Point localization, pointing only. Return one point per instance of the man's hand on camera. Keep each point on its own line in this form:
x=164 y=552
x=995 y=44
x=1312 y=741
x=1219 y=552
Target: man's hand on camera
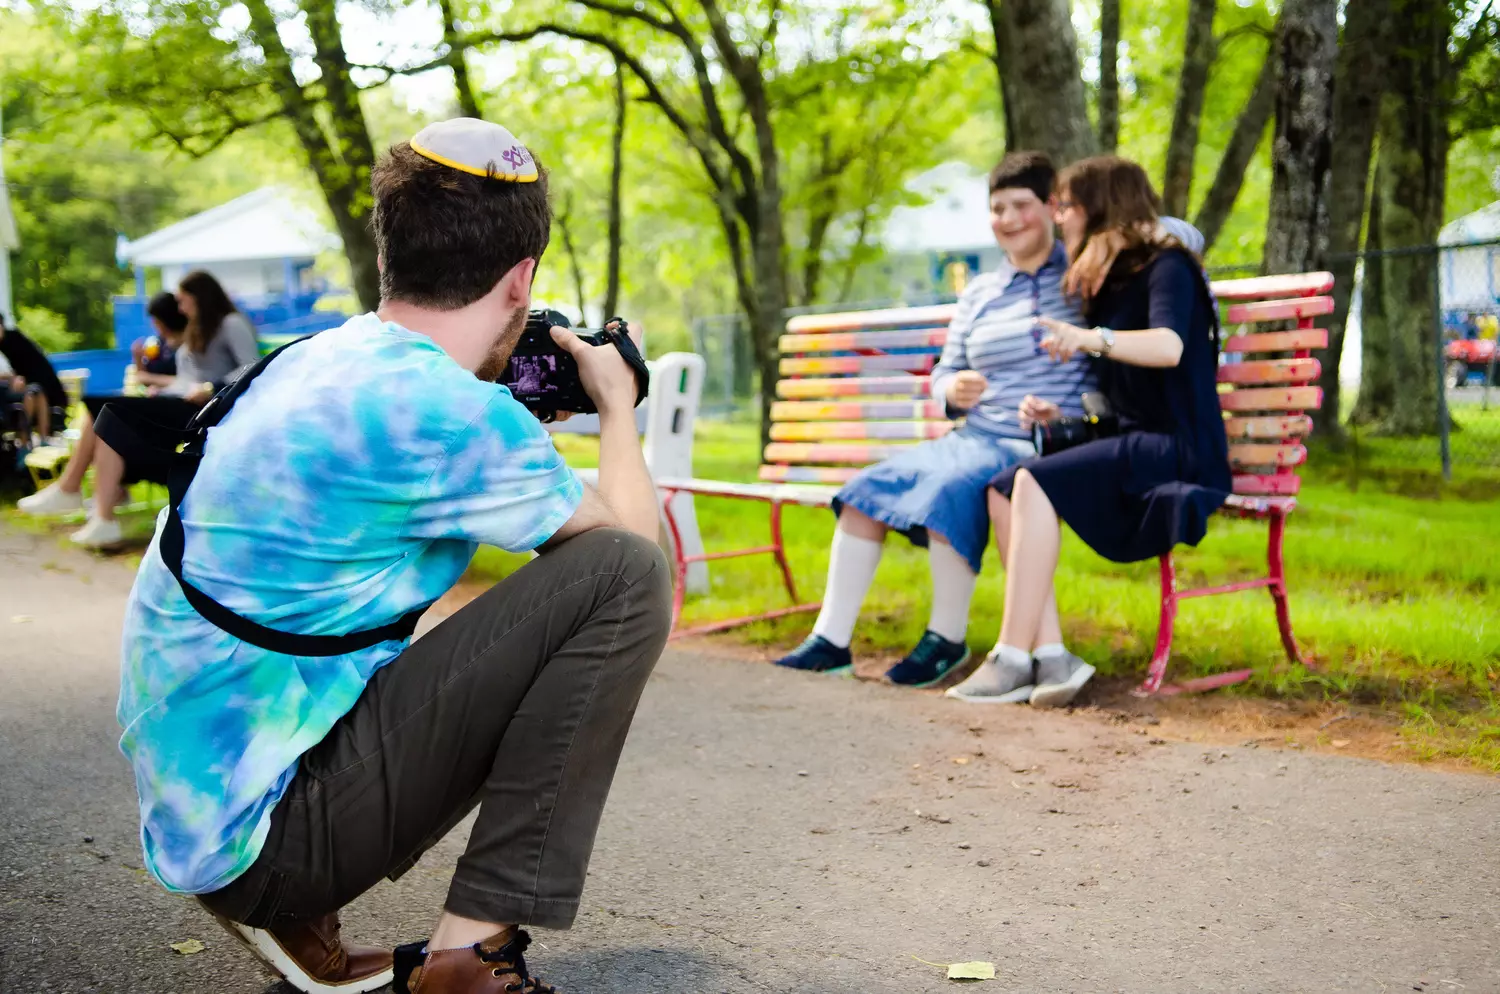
x=1034 y=409
x=606 y=377
x=965 y=389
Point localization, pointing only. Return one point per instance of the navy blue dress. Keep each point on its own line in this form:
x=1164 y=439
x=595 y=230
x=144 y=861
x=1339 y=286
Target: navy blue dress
x=1154 y=485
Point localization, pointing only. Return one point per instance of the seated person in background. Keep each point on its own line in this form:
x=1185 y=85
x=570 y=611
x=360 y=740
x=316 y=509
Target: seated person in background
x=155 y=356
x=934 y=493
x=1154 y=327
x=217 y=341
x=33 y=382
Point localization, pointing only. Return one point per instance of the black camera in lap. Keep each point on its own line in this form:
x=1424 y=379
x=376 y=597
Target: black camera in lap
x=1099 y=421
x=544 y=377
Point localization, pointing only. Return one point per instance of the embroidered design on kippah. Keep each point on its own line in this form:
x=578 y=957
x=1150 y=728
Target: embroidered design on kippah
x=479 y=148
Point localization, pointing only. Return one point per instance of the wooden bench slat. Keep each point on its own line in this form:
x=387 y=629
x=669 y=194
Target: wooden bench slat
x=1270 y=371
x=1269 y=426
x=809 y=410
x=1261 y=287
x=1252 y=455
x=867 y=386
x=1302 y=339
x=850 y=341
x=1269 y=485
x=817 y=431
x=932 y=316
x=1278 y=310
x=1272 y=399
x=829 y=452
x=808 y=474
x=859 y=364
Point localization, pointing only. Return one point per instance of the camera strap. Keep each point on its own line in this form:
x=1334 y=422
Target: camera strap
x=133 y=435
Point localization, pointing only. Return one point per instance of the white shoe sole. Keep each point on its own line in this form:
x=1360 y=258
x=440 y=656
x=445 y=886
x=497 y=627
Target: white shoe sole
x=1058 y=695
x=269 y=951
x=1018 y=696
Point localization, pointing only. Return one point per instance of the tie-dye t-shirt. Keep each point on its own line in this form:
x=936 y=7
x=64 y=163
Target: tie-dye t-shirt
x=349 y=485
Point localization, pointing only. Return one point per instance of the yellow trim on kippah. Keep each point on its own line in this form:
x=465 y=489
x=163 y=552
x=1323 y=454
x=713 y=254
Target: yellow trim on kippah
x=464 y=167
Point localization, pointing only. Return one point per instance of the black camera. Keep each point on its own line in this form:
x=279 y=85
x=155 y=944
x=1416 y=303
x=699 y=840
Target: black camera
x=544 y=377
x=1098 y=421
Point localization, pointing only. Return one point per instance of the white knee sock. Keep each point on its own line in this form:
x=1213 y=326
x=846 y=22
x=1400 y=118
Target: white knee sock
x=952 y=590
x=851 y=567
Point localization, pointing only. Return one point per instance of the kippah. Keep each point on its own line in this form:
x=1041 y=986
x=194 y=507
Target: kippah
x=480 y=148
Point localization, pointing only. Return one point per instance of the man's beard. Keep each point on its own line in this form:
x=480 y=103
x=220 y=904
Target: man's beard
x=494 y=363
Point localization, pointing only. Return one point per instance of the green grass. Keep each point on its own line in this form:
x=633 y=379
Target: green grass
x=1395 y=598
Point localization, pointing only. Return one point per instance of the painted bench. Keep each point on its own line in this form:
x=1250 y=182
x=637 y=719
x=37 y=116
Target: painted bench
x=854 y=389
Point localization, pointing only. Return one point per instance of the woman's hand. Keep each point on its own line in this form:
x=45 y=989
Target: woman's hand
x=1063 y=341
x=1034 y=409
x=199 y=395
x=1098 y=255
x=965 y=389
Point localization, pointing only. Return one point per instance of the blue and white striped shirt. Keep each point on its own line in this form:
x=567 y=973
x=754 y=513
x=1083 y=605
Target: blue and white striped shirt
x=995 y=332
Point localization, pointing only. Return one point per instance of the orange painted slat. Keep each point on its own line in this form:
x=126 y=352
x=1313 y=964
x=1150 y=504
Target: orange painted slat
x=807 y=474
x=1262 y=287
x=1278 y=341
x=1280 y=456
x=867 y=386
x=829 y=452
x=795 y=410
x=1278 y=310
x=850 y=341
x=935 y=316
x=858 y=364
x=1272 y=399
x=1270 y=426
x=1270 y=371
x=817 y=431
x=1269 y=485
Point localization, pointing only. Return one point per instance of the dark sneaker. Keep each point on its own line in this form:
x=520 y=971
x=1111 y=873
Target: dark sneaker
x=818 y=655
x=311 y=956
x=933 y=658
x=487 y=967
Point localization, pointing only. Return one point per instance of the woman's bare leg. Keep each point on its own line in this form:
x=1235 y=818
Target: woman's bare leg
x=1030 y=564
x=109 y=471
x=1049 y=629
x=83 y=456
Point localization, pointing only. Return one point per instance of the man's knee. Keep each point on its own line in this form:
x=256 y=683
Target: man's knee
x=641 y=565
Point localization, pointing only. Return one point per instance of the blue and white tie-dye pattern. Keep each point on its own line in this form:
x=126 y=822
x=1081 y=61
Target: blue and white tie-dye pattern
x=348 y=486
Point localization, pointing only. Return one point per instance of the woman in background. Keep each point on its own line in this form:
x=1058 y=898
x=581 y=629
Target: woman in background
x=217 y=342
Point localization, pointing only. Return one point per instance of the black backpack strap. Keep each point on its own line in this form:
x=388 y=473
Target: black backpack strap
x=126 y=433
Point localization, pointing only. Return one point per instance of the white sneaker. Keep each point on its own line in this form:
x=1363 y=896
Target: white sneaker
x=1059 y=679
x=51 y=499
x=98 y=534
x=993 y=683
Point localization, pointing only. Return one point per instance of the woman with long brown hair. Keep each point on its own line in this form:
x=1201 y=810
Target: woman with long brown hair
x=217 y=341
x=1153 y=484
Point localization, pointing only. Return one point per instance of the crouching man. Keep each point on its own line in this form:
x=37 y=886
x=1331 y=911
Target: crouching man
x=290 y=747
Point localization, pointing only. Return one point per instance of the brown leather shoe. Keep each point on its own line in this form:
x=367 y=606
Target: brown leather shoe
x=489 y=967
x=312 y=958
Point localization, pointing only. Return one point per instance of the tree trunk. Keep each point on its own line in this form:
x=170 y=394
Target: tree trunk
x=1218 y=203
x=1187 y=112
x=1006 y=111
x=1306 y=49
x=1109 y=76
x=1356 y=108
x=1409 y=188
x=1042 y=81
x=616 y=207
x=468 y=106
x=1377 y=383
x=570 y=248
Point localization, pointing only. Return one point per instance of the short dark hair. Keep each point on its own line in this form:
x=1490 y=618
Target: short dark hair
x=1030 y=170
x=164 y=308
x=214 y=306
x=446 y=237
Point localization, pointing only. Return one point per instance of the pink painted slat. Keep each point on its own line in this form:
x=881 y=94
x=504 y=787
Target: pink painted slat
x=866 y=386
x=850 y=341
x=1272 y=399
x=818 y=431
x=935 y=316
x=829 y=452
x=1262 y=287
x=795 y=410
x=1270 y=371
x=858 y=364
x=1269 y=427
x=1250 y=456
x=1278 y=310
x=1304 y=339
x=1271 y=485
x=808 y=474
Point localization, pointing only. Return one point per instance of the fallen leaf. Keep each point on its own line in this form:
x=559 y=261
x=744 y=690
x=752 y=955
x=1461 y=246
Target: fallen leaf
x=19 y=619
x=1340 y=743
x=960 y=760
x=978 y=970
x=189 y=947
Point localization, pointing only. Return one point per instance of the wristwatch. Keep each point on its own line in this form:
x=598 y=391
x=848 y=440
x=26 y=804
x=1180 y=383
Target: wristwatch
x=1106 y=340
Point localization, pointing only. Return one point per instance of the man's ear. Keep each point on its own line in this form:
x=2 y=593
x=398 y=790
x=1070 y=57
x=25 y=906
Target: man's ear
x=380 y=262
x=515 y=285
